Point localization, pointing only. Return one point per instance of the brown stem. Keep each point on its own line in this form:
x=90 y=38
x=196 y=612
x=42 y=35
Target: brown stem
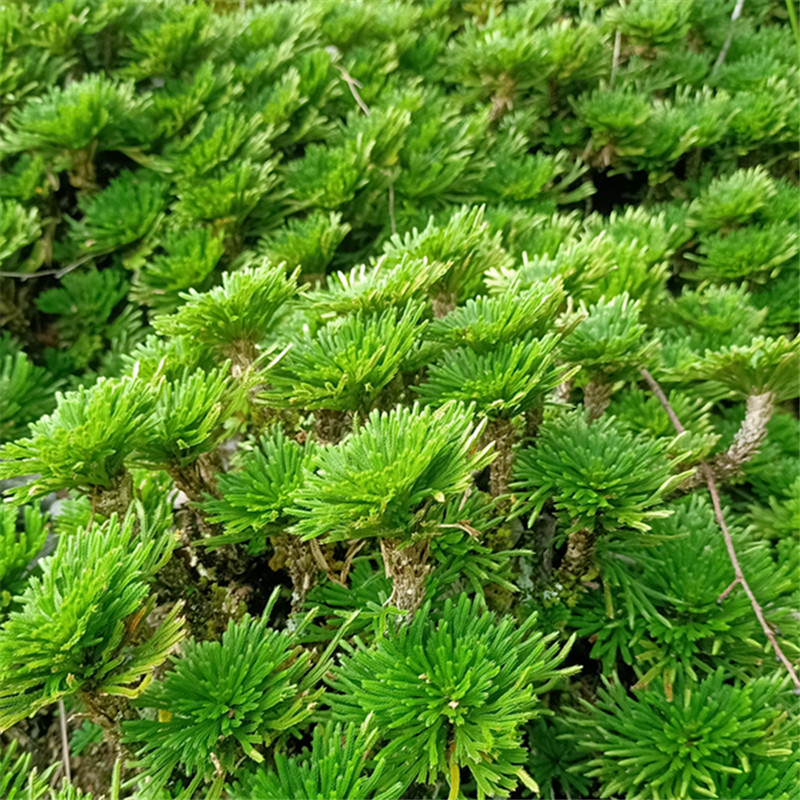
x=300 y=564
x=533 y=419
x=199 y=478
x=196 y=480
x=723 y=596
x=501 y=432
x=108 y=711
x=330 y=425
x=694 y=163
x=503 y=98
x=739 y=577
x=553 y=95
x=443 y=303
x=543 y=533
x=408 y=568
x=596 y=397
x=579 y=556
x=563 y=391
x=82 y=175
x=113 y=499
x=242 y=354
x=748 y=438
x=746 y=443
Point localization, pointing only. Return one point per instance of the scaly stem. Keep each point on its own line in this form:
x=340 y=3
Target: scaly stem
x=242 y=354
x=596 y=397
x=113 y=499
x=407 y=567
x=533 y=419
x=301 y=566
x=196 y=481
x=199 y=478
x=746 y=443
x=443 y=303
x=579 y=556
x=330 y=425
x=501 y=431
x=108 y=711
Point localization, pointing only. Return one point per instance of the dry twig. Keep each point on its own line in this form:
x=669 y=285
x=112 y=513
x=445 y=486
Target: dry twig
x=354 y=86
x=62 y=719
x=739 y=578
x=724 y=52
x=59 y=273
x=615 y=59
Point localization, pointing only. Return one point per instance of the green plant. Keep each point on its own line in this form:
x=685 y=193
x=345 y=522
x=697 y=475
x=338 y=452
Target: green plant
x=344 y=367
x=84 y=444
x=608 y=345
x=464 y=244
x=388 y=310
x=484 y=322
x=712 y=731
x=186 y=426
x=666 y=618
x=18 y=779
x=253 y=505
x=334 y=767
x=19 y=550
x=70 y=126
x=26 y=390
x=121 y=214
x=599 y=477
x=448 y=710
x=384 y=481
x=233 y=318
x=73 y=634
x=188 y=261
x=228 y=699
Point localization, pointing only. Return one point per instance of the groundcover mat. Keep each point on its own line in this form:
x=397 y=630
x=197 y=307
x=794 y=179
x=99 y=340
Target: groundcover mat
x=398 y=399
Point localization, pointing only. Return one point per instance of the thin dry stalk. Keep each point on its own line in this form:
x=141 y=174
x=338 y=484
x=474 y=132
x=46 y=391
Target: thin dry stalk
x=724 y=52
x=615 y=59
x=62 y=719
x=739 y=579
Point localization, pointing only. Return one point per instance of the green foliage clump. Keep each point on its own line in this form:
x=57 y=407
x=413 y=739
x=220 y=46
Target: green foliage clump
x=18 y=779
x=599 y=476
x=662 y=616
x=188 y=262
x=708 y=735
x=121 y=214
x=255 y=499
x=230 y=698
x=450 y=710
x=347 y=314
x=71 y=632
x=233 y=318
x=506 y=381
x=26 y=391
x=483 y=322
x=335 y=766
x=386 y=478
x=346 y=364
x=84 y=442
x=19 y=550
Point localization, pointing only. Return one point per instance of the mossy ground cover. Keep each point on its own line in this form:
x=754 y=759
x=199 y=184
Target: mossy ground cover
x=398 y=399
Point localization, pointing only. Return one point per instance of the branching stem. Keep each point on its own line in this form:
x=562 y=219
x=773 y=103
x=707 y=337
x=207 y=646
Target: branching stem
x=737 y=569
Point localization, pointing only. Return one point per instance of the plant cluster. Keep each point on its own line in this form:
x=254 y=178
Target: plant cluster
x=342 y=344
